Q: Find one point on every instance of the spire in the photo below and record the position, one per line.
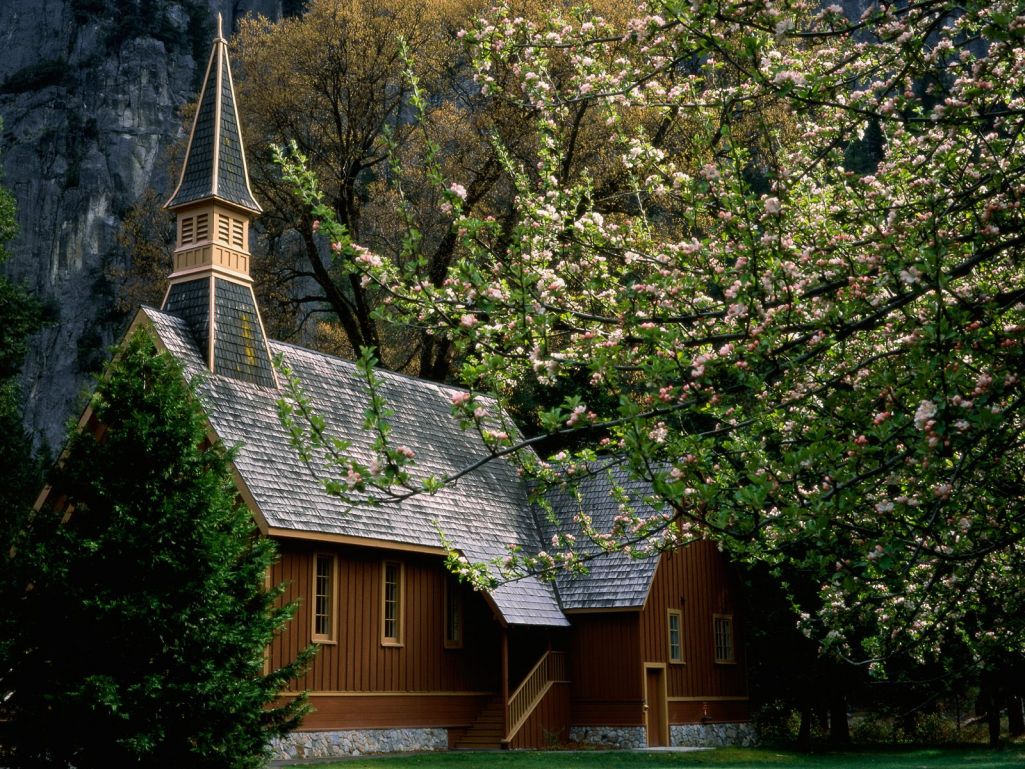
(210, 287)
(215, 162)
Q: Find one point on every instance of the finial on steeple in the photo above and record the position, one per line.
(220, 26)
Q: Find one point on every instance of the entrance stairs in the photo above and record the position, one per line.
(487, 731)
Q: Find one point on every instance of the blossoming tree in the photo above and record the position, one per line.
(804, 329)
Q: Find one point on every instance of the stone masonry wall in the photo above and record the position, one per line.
(737, 735)
(612, 736)
(357, 742)
(740, 735)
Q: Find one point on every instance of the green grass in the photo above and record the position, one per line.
(724, 758)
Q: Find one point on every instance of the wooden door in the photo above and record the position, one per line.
(655, 700)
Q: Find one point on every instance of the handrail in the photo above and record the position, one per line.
(550, 669)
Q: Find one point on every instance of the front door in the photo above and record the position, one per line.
(655, 704)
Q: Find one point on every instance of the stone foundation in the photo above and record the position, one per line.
(357, 742)
(609, 736)
(735, 735)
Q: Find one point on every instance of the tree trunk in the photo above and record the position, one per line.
(991, 703)
(1015, 716)
(804, 732)
(839, 729)
(993, 721)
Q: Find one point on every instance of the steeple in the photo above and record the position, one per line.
(210, 284)
(215, 164)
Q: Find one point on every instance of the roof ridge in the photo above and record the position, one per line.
(385, 371)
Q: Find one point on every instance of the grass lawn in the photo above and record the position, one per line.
(724, 758)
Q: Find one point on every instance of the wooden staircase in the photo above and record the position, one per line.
(487, 731)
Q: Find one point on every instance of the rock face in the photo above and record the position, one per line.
(90, 97)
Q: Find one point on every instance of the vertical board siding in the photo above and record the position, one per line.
(697, 580)
(353, 711)
(547, 725)
(605, 668)
(357, 661)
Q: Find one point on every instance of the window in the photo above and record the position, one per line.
(722, 629)
(674, 623)
(391, 598)
(324, 591)
(453, 614)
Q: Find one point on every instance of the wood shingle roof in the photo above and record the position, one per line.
(480, 514)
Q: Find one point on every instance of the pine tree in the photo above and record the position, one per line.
(20, 315)
(148, 616)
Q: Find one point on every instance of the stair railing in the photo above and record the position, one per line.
(549, 670)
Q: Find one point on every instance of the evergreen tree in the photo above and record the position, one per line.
(148, 616)
(20, 315)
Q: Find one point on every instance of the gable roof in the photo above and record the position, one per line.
(614, 580)
(480, 513)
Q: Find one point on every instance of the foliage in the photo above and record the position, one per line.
(332, 81)
(137, 267)
(815, 365)
(145, 616)
(20, 315)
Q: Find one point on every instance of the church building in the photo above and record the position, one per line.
(637, 652)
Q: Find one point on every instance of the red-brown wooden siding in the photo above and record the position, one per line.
(358, 662)
(605, 670)
(392, 711)
(546, 725)
(698, 581)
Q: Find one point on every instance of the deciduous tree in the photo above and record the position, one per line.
(818, 361)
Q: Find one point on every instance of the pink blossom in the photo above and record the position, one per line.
(925, 412)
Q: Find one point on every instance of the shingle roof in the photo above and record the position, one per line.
(215, 159)
(614, 580)
(239, 347)
(480, 514)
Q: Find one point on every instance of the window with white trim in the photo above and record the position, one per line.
(325, 590)
(674, 624)
(391, 603)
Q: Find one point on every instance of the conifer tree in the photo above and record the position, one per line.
(20, 315)
(148, 616)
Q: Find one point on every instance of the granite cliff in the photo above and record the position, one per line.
(90, 97)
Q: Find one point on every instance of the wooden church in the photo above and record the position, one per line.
(635, 653)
